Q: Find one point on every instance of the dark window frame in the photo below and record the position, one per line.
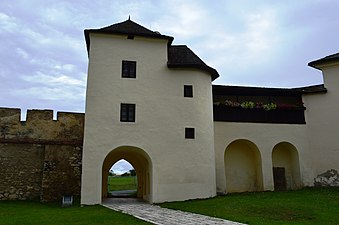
(188, 91)
(127, 112)
(128, 69)
(189, 133)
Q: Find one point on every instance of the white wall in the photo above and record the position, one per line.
(182, 168)
(265, 137)
(322, 116)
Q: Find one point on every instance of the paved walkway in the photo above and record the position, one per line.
(123, 193)
(157, 215)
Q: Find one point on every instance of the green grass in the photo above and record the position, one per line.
(35, 213)
(307, 206)
(122, 183)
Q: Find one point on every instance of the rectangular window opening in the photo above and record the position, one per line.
(128, 69)
(127, 112)
(188, 91)
(189, 133)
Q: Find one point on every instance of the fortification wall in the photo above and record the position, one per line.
(40, 157)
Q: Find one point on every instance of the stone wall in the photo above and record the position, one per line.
(21, 167)
(327, 179)
(40, 157)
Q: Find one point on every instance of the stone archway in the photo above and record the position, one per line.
(142, 164)
(286, 170)
(243, 167)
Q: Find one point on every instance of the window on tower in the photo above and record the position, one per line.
(127, 112)
(189, 133)
(188, 91)
(128, 69)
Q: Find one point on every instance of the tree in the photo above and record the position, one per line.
(133, 173)
(111, 174)
(126, 174)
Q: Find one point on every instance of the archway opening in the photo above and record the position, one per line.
(141, 163)
(243, 167)
(286, 171)
(122, 180)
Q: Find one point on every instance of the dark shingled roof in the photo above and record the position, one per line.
(180, 56)
(127, 27)
(327, 59)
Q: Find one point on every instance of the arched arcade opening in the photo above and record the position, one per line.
(243, 167)
(286, 171)
(140, 161)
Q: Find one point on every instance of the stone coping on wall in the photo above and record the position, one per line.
(40, 128)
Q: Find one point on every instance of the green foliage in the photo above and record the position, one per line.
(307, 206)
(35, 213)
(133, 173)
(251, 105)
(269, 106)
(111, 174)
(247, 105)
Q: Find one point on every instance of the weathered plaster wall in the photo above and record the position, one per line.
(40, 157)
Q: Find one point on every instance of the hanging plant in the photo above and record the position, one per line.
(247, 105)
(269, 106)
(230, 103)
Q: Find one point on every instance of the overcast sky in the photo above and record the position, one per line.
(43, 58)
(121, 167)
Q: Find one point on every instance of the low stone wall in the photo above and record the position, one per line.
(40, 157)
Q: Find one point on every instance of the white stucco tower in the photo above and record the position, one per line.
(148, 102)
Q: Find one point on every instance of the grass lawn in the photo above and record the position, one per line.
(122, 183)
(35, 213)
(307, 206)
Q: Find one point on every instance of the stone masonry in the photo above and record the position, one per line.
(40, 157)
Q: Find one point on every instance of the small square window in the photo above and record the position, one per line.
(127, 112)
(189, 133)
(128, 69)
(188, 91)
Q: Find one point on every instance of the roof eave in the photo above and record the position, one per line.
(320, 88)
(323, 62)
(213, 72)
(248, 90)
(88, 31)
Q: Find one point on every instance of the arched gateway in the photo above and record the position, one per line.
(141, 162)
